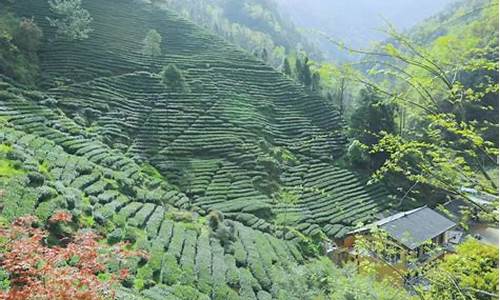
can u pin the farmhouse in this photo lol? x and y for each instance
(410, 230)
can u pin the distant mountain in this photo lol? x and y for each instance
(358, 22)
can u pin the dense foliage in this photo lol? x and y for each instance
(442, 85)
(470, 273)
(20, 39)
(72, 22)
(369, 119)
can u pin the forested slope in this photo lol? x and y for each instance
(259, 26)
(105, 139)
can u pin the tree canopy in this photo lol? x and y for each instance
(152, 44)
(173, 78)
(72, 22)
(470, 273)
(442, 93)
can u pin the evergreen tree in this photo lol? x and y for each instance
(299, 70)
(306, 70)
(264, 55)
(316, 79)
(371, 117)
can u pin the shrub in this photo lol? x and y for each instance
(36, 179)
(215, 218)
(46, 193)
(219, 229)
(173, 79)
(180, 216)
(239, 254)
(223, 292)
(16, 154)
(203, 262)
(247, 283)
(185, 292)
(232, 275)
(115, 236)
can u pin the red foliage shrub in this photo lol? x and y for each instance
(70, 272)
(60, 216)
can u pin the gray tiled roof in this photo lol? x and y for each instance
(413, 228)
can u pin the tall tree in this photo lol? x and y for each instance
(371, 117)
(28, 35)
(264, 55)
(299, 69)
(341, 90)
(306, 73)
(315, 82)
(287, 70)
(152, 44)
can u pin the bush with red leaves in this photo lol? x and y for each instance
(66, 271)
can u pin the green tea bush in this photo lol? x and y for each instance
(203, 263)
(171, 272)
(232, 275)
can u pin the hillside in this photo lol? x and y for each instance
(258, 26)
(358, 24)
(105, 139)
(242, 132)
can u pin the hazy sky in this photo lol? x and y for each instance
(356, 21)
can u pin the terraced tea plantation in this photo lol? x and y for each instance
(102, 187)
(107, 140)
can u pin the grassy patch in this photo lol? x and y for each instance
(44, 168)
(4, 148)
(151, 171)
(287, 218)
(8, 168)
